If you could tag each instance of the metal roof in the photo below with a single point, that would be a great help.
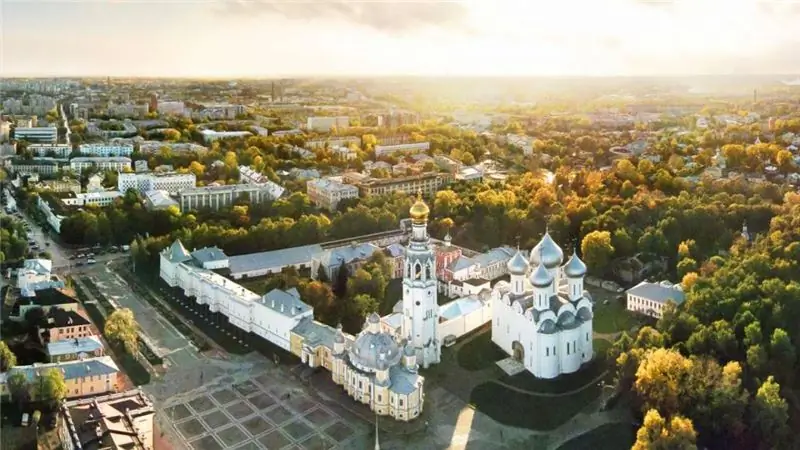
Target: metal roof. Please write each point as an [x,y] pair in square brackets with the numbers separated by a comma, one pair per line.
[273,259]
[657,292]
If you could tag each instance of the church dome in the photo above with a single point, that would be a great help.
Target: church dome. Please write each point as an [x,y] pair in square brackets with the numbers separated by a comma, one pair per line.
[374,351]
[409,350]
[517,265]
[584,314]
[373,318]
[419,210]
[547,327]
[541,277]
[575,268]
[547,252]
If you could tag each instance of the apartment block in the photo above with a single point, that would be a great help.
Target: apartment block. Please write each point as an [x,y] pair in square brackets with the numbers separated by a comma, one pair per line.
[82,377]
[100,199]
[119,421]
[428,183]
[51,150]
[218,197]
[37,134]
[43,166]
[326,124]
[116,163]
[105,150]
[327,193]
[407,149]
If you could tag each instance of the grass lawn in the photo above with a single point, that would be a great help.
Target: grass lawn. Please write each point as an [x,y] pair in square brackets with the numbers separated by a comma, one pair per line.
[529,411]
[612,436]
[480,353]
[564,383]
[612,317]
[601,347]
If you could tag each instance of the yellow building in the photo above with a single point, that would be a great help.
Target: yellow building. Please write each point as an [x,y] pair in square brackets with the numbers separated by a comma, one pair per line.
[82,377]
[312,342]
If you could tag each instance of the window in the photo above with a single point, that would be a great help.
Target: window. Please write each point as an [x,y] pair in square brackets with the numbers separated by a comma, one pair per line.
[568,348]
[379,397]
[587,336]
[547,351]
[401,402]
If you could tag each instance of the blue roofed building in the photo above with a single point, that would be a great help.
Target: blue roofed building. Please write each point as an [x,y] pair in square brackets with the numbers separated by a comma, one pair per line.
[259,264]
[650,298]
[352,256]
[90,376]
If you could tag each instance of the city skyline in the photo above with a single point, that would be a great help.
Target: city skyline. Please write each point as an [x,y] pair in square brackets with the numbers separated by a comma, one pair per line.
[511,38]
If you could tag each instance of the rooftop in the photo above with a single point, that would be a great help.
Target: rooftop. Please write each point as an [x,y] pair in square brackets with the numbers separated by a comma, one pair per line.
[59,318]
[285,302]
[348,254]
[114,421]
[272,259]
[102,365]
[658,292]
[208,254]
[74,346]
[315,333]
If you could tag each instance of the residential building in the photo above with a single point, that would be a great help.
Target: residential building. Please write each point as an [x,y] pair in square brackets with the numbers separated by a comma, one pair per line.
[543,317]
[128,129]
[395,119]
[339,141]
[395,255]
[95,184]
[171,182]
[522,142]
[469,174]
[127,110]
[61,324]
[5,130]
[78,348]
[174,108]
[649,298]
[219,112]
[37,134]
[327,193]
[217,197]
[211,135]
[175,147]
[105,150]
[42,166]
[35,274]
[52,211]
[409,148]
[82,377]
[30,105]
[120,421]
[249,176]
[45,299]
[447,163]
[326,124]
[344,153]
[51,150]
[429,183]
[114,163]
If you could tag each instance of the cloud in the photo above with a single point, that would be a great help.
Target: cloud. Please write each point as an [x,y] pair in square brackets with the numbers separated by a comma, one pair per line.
[382,15]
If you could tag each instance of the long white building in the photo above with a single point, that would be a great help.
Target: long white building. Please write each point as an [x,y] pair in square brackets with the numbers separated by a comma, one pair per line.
[543,316]
[37,134]
[217,197]
[115,163]
[51,150]
[171,182]
[410,148]
[327,193]
[105,150]
[325,124]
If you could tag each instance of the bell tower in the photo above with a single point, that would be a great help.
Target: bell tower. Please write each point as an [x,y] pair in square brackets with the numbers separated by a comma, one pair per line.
[420,308]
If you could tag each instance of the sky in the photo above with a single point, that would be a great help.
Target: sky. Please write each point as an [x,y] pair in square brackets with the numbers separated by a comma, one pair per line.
[286,38]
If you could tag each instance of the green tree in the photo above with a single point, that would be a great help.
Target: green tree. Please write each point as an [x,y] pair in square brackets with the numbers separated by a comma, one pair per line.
[770,415]
[121,328]
[7,358]
[19,388]
[50,387]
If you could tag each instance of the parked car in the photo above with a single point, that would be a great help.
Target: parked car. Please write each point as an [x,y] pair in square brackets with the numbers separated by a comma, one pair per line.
[26,419]
[90,261]
[79,263]
[80,255]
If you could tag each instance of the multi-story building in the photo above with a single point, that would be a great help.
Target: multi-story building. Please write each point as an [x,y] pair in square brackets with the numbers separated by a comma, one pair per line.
[211,135]
[219,112]
[62,185]
[217,197]
[174,108]
[70,350]
[122,421]
[343,141]
[52,211]
[101,199]
[427,183]
[331,261]
[650,298]
[158,200]
[42,166]
[172,182]
[394,119]
[522,142]
[409,148]
[344,153]
[60,324]
[114,163]
[250,176]
[128,110]
[325,124]
[128,130]
[51,150]
[82,377]
[34,274]
[447,163]
[5,130]
[32,105]
[37,134]
[105,150]
[327,193]
[174,147]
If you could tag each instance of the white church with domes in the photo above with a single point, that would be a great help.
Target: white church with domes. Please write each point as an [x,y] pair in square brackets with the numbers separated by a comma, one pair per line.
[543,316]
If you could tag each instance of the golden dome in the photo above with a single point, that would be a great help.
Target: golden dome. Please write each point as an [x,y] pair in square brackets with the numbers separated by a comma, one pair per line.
[419,210]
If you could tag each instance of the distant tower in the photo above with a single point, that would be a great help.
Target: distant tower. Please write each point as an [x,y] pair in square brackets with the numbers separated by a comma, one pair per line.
[153,102]
[273,93]
[745,233]
[755,95]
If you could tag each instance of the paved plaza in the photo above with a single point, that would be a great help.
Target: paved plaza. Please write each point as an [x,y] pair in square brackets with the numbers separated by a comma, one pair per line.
[261,413]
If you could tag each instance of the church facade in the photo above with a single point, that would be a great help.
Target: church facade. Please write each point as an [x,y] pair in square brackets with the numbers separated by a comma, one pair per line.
[543,316]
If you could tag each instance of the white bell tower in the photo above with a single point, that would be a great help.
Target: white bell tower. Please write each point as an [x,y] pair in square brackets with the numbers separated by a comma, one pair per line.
[420,306]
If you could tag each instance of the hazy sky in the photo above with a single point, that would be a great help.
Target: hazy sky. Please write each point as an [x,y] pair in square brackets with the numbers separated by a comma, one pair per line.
[322,37]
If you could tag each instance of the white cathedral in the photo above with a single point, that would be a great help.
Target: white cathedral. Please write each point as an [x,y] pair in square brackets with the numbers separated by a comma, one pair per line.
[543,316]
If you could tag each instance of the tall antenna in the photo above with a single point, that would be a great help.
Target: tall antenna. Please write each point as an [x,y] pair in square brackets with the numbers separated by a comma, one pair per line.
[518,238]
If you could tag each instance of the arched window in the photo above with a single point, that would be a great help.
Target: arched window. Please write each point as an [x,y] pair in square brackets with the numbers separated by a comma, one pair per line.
[428,272]
[417,271]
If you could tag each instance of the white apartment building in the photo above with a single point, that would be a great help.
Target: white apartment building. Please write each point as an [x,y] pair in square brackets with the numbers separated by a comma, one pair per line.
[171,108]
[51,214]
[37,134]
[105,150]
[127,110]
[43,166]
[650,298]
[327,193]
[59,150]
[343,141]
[325,124]
[104,198]
[175,147]
[170,182]
[5,130]
[217,197]
[211,135]
[522,142]
[250,176]
[116,163]
[417,147]
[220,112]
[344,153]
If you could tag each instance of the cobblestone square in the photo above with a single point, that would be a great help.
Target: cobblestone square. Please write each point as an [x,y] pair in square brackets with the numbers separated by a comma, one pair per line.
[179,412]
[256,425]
[191,428]
[317,442]
[216,419]
[239,410]
[206,443]
[224,396]
[274,440]
[300,403]
[246,388]
[298,430]
[261,401]
[319,417]
[339,431]
[279,415]
[201,404]
[232,436]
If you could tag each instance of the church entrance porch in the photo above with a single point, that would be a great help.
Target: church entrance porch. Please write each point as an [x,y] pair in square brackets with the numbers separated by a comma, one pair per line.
[519,351]
[511,366]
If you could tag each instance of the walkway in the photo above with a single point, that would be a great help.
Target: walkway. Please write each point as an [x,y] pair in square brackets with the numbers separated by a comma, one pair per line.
[551,394]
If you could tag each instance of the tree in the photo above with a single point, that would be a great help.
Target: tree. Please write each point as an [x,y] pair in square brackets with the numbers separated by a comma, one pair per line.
[7,358]
[770,414]
[660,380]
[658,434]
[50,387]
[122,329]
[597,250]
[19,388]
[321,298]
[340,285]
[688,281]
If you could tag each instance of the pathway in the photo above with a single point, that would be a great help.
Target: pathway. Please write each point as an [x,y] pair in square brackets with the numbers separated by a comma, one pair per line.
[550,394]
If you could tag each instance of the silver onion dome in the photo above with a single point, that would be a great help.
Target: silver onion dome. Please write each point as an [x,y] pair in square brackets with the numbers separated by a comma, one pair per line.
[541,277]
[575,268]
[547,252]
[374,351]
[517,265]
